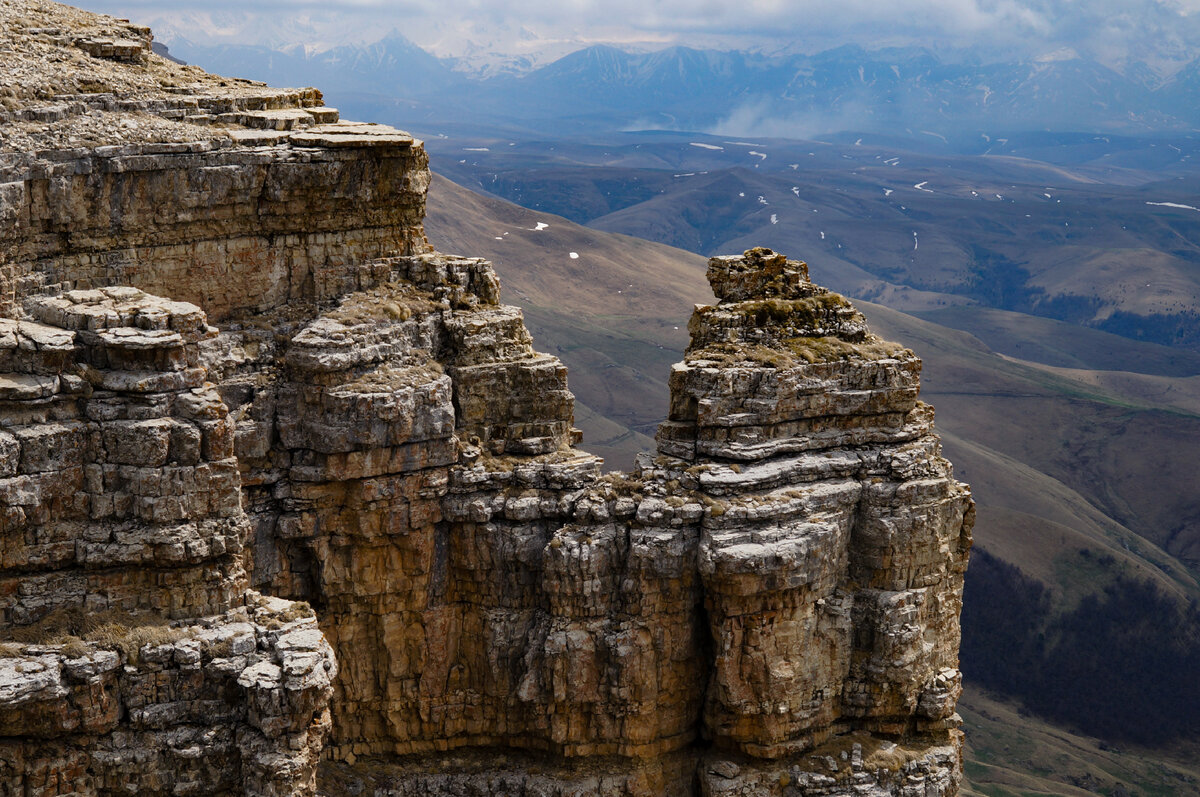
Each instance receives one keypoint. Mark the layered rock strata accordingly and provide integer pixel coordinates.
(768, 606)
(226, 193)
(133, 658)
(833, 550)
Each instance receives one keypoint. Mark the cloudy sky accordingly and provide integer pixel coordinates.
(1160, 32)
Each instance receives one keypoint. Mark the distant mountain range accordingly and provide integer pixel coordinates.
(902, 91)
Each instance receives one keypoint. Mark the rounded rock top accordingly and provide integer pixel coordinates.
(758, 273)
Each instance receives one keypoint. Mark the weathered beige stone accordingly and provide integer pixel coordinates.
(769, 606)
(131, 651)
(775, 590)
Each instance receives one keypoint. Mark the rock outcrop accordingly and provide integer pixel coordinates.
(226, 193)
(136, 659)
(767, 606)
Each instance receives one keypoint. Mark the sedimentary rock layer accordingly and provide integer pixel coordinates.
(768, 606)
(780, 586)
(134, 659)
(250, 228)
(139, 171)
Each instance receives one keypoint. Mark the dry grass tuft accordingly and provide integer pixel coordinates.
(75, 648)
(793, 352)
(296, 610)
(78, 632)
(622, 484)
(391, 302)
(829, 349)
(892, 758)
(715, 508)
(130, 641)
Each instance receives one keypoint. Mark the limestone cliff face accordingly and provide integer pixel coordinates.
(120, 167)
(135, 659)
(768, 606)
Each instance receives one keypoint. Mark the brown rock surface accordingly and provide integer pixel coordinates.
(785, 577)
(769, 606)
(132, 656)
(226, 193)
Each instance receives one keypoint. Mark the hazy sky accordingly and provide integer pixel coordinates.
(1158, 31)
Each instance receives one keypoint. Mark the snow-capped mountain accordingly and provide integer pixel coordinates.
(847, 88)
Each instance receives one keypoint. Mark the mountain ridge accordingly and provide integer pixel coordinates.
(680, 87)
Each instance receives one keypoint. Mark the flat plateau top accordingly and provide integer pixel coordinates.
(70, 78)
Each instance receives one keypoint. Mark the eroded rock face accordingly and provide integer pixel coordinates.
(226, 193)
(834, 549)
(780, 586)
(768, 606)
(133, 658)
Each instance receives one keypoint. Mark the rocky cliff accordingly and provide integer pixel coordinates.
(369, 438)
(135, 659)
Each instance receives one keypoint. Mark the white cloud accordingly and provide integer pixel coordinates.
(1117, 30)
(1182, 7)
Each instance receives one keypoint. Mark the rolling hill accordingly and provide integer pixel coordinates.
(1069, 509)
(1112, 248)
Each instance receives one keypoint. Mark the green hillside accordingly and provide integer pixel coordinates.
(1082, 475)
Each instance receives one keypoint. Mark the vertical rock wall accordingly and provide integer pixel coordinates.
(135, 659)
(768, 606)
(834, 547)
(248, 228)
(771, 604)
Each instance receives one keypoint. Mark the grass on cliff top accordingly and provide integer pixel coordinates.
(272, 618)
(793, 352)
(877, 753)
(804, 310)
(76, 630)
(391, 301)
